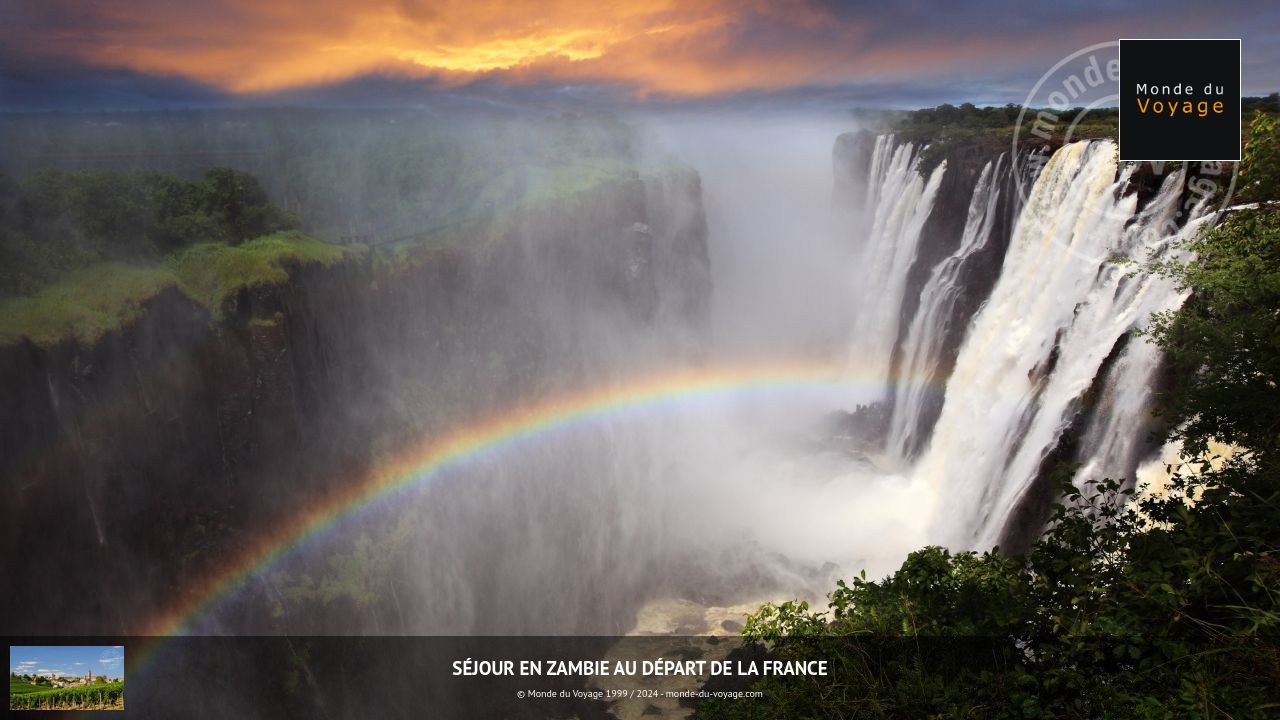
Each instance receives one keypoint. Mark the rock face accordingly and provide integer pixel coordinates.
(1018, 525)
(131, 467)
(940, 237)
(851, 161)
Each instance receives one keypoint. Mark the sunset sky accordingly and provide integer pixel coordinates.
(124, 54)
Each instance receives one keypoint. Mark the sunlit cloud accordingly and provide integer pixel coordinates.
(635, 49)
(653, 46)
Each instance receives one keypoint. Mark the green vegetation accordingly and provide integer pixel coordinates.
(380, 176)
(22, 686)
(90, 302)
(54, 222)
(99, 696)
(86, 251)
(84, 305)
(947, 126)
(1159, 604)
(1226, 337)
(212, 272)
(82, 251)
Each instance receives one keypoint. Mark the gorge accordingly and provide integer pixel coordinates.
(747, 366)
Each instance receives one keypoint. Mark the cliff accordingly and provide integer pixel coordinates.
(940, 236)
(137, 457)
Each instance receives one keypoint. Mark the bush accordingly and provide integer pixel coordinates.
(87, 697)
(55, 221)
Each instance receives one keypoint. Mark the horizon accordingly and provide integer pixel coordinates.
(852, 110)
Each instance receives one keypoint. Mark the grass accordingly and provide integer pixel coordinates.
(88, 303)
(84, 305)
(212, 272)
(557, 182)
(530, 187)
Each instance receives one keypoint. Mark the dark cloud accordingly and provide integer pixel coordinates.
(38, 84)
(113, 55)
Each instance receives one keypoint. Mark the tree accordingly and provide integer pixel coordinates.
(55, 221)
(236, 201)
(1260, 166)
(1224, 339)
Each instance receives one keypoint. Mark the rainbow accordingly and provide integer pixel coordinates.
(435, 455)
(427, 460)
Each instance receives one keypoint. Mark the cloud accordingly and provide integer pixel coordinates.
(110, 657)
(664, 46)
(156, 53)
(35, 82)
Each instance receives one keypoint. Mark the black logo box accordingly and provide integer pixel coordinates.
(1180, 65)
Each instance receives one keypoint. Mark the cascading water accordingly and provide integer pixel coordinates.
(899, 203)
(1057, 311)
(919, 372)
(1116, 438)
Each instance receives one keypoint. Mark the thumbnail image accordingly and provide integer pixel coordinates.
(66, 677)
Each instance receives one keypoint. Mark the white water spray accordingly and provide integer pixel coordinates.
(899, 202)
(1057, 311)
(928, 330)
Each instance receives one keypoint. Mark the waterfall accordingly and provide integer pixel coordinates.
(899, 202)
(1057, 311)
(1118, 435)
(918, 373)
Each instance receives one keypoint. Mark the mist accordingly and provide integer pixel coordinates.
(732, 499)
(491, 263)
(736, 498)
(781, 269)
(705, 334)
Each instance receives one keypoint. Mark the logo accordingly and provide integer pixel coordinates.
(1180, 100)
(1080, 98)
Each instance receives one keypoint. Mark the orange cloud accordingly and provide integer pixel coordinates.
(655, 46)
(664, 48)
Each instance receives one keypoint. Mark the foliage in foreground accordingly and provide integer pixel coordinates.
(109, 695)
(1156, 608)
(1225, 341)
(1165, 605)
